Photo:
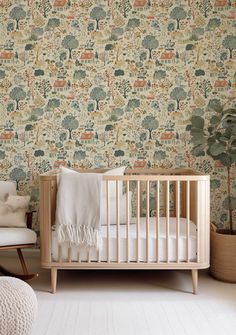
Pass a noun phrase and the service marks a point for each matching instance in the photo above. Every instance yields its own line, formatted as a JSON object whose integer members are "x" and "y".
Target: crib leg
{"x": 195, "y": 280}
{"x": 54, "y": 279}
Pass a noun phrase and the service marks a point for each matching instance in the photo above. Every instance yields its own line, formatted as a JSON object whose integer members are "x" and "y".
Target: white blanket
{"x": 78, "y": 209}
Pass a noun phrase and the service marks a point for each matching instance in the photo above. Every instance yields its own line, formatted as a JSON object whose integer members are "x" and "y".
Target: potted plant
{"x": 218, "y": 140}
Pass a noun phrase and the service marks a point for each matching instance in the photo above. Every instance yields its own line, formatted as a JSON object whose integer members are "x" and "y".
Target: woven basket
{"x": 223, "y": 256}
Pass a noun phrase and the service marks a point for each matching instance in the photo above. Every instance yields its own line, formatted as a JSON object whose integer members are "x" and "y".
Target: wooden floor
{"x": 132, "y": 303}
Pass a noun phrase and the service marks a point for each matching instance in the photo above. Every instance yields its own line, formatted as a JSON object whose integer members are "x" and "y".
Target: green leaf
{"x": 231, "y": 111}
{"x": 197, "y": 140}
{"x": 217, "y": 149}
{"x": 211, "y": 140}
{"x": 223, "y": 139}
{"x": 233, "y": 143}
{"x": 226, "y": 203}
{"x": 197, "y": 122}
{"x": 196, "y": 132}
{"x": 233, "y": 158}
{"x": 215, "y": 120}
{"x": 198, "y": 150}
{"x": 224, "y": 158}
{"x": 227, "y": 133}
{"x": 210, "y": 130}
{"x": 218, "y": 135}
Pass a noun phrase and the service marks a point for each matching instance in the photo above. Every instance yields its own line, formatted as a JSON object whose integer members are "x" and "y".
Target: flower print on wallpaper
{"x": 104, "y": 83}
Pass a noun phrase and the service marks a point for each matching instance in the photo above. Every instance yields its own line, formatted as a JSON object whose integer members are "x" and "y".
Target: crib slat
{"x": 187, "y": 218}
{"x": 167, "y": 218}
{"x": 147, "y": 220}
{"x": 127, "y": 220}
{"x": 117, "y": 222}
{"x": 198, "y": 221}
{"x": 78, "y": 255}
{"x": 138, "y": 219}
{"x": 177, "y": 218}
{"x": 69, "y": 254}
{"x": 108, "y": 222}
{"x": 157, "y": 219}
{"x": 140, "y": 199}
{"x": 60, "y": 253}
{"x": 88, "y": 256}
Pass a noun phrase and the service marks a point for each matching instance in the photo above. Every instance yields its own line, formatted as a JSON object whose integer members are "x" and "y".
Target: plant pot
{"x": 223, "y": 256}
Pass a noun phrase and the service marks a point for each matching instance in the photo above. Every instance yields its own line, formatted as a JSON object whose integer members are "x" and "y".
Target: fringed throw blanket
{"x": 78, "y": 209}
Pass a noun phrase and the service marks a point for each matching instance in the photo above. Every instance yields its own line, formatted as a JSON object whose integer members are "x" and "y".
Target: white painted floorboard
{"x": 132, "y": 303}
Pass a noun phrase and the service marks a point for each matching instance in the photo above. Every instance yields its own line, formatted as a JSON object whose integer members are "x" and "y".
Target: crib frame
{"x": 192, "y": 203}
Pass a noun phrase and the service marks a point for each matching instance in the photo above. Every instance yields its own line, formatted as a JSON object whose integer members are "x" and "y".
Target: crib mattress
{"x": 133, "y": 243}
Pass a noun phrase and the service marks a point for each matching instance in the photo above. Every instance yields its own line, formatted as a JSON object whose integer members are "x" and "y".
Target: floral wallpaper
{"x": 104, "y": 83}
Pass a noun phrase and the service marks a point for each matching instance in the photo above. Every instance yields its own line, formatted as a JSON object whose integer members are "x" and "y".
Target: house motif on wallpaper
{"x": 60, "y": 5}
{"x": 219, "y": 166}
{"x": 87, "y": 137}
{"x": 6, "y": 138}
{"x": 59, "y": 163}
{"x": 221, "y": 4}
{"x": 232, "y": 13}
{"x": 60, "y": 85}
{"x": 140, "y": 164}
{"x": 87, "y": 56}
{"x": 168, "y": 137}
{"x": 7, "y": 57}
{"x": 221, "y": 85}
{"x": 168, "y": 57}
{"x": 140, "y": 4}
{"x": 140, "y": 85}
{"x": 213, "y": 69}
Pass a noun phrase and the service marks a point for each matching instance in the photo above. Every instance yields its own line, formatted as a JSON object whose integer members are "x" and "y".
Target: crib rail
{"x": 180, "y": 200}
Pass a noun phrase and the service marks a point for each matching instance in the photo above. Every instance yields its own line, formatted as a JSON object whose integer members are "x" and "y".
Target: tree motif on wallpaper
{"x": 178, "y": 14}
{"x": 178, "y": 94}
{"x": 70, "y": 123}
{"x": 97, "y": 94}
{"x": 18, "y": 175}
{"x": 205, "y": 7}
{"x": 229, "y": 42}
{"x": 17, "y": 94}
{"x": 17, "y": 14}
{"x": 124, "y": 7}
{"x": 150, "y": 123}
{"x": 97, "y": 14}
{"x": 44, "y": 7}
{"x": 150, "y": 42}
{"x": 70, "y": 42}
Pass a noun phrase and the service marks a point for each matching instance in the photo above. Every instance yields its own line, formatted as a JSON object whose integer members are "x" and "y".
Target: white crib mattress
{"x": 133, "y": 243}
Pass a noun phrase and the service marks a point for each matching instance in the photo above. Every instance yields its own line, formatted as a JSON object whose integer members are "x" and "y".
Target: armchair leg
{"x": 22, "y": 261}
{"x": 25, "y": 275}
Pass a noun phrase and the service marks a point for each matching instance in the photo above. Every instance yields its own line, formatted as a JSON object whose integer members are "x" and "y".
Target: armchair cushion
{"x": 7, "y": 187}
{"x": 13, "y": 207}
{"x": 16, "y": 236}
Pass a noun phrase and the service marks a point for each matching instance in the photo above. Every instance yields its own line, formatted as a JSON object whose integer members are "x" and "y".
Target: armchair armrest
{"x": 29, "y": 219}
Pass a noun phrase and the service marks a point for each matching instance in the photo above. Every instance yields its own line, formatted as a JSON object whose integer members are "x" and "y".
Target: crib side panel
{"x": 192, "y": 202}
{"x": 48, "y": 190}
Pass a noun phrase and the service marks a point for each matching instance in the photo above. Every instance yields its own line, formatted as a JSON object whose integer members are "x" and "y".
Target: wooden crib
{"x": 167, "y": 224}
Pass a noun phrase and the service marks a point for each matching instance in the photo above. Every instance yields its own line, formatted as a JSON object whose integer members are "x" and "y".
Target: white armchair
{"x": 14, "y": 237}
